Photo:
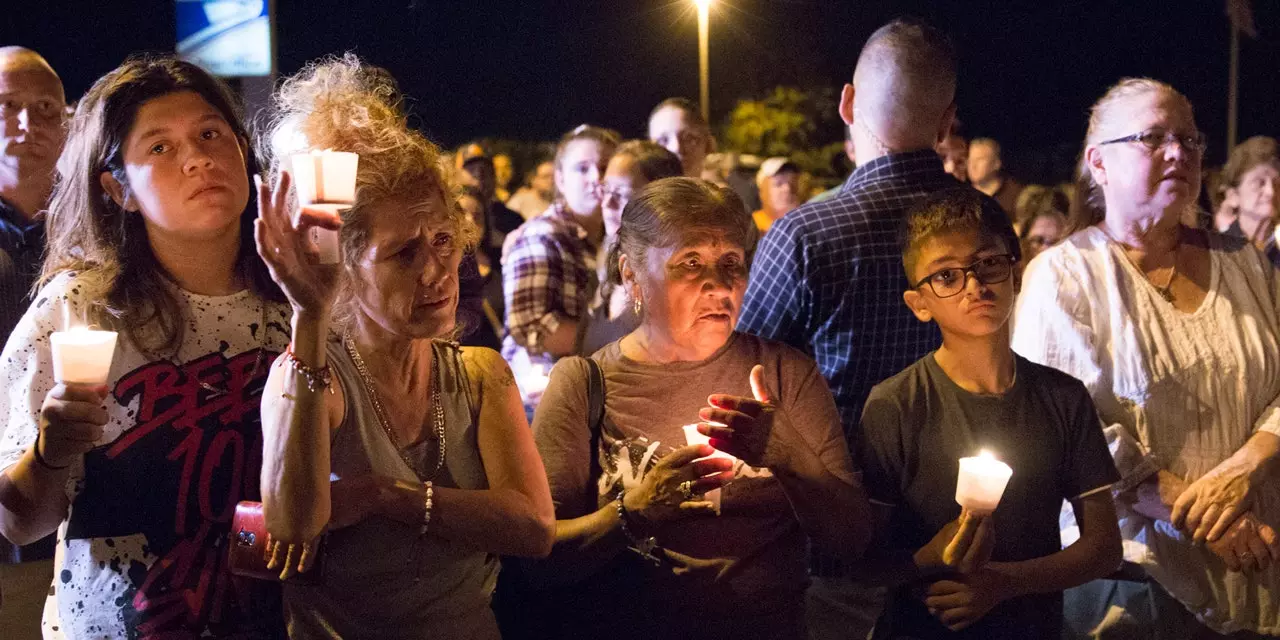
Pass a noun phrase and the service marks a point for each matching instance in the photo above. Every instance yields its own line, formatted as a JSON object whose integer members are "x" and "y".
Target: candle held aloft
{"x": 981, "y": 482}
{"x": 82, "y": 355}
{"x": 326, "y": 180}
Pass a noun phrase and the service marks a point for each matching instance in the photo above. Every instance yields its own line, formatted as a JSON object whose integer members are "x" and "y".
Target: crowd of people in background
{"x": 652, "y": 390}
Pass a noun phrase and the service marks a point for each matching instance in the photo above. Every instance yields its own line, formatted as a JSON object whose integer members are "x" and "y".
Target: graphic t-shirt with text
{"x": 142, "y": 549}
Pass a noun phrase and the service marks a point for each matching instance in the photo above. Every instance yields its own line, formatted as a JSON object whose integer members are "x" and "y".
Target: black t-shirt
{"x": 916, "y": 427}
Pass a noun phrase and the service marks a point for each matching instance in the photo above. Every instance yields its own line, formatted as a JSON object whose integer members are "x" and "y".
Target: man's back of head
{"x": 905, "y": 84}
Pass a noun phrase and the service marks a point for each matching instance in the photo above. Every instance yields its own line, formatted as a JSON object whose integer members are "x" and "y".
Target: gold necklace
{"x": 437, "y": 416}
{"x": 1166, "y": 291}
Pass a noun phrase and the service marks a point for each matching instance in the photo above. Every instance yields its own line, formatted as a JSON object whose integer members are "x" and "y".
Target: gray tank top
{"x": 380, "y": 579}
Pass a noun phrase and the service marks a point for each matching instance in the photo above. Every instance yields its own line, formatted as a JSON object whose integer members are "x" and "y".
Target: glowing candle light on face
{"x": 326, "y": 180}
{"x": 981, "y": 482}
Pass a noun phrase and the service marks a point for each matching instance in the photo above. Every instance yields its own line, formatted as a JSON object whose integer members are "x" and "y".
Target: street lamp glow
{"x": 704, "y": 83}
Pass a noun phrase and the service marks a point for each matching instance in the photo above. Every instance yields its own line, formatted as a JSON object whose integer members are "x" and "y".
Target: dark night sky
{"x": 530, "y": 70}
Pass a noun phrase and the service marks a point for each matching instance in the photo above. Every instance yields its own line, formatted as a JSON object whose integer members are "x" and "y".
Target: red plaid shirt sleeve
{"x": 545, "y": 278}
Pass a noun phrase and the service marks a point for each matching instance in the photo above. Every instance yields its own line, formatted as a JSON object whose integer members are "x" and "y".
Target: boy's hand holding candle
{"x": 963, "y": 546}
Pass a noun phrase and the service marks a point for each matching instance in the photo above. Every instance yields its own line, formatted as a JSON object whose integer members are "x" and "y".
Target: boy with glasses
{"x": 975, "y": 393}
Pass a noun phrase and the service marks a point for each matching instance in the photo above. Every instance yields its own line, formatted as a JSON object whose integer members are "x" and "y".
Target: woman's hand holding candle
{"x": 659, "y": 497}
{"x": 750, "y": 428}
{"x": 325, "y": 180}
{"x": 71, "y": 421}
{"x": 284, "y": 247}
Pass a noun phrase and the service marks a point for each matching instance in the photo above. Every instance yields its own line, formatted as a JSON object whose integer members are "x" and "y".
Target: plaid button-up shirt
{"x": 548, "y": 274}
{"x": 828, "y": 279}
{"x": 21, "y": 252}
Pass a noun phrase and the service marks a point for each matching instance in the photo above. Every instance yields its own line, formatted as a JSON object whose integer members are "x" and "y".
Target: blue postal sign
{"x": 230, "y": 38}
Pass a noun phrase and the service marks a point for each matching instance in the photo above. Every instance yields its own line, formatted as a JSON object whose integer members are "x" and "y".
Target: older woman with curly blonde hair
{"x": 411, "y": 455}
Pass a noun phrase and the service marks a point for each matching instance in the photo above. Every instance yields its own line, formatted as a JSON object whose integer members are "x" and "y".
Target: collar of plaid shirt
{"x": 562, "y": 213}
{"x": 894, "y": 166}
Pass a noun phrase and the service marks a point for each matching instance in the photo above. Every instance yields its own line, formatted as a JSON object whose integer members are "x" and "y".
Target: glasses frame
{"x": 1196, "y": 144}
{"x": 972, "y": 268}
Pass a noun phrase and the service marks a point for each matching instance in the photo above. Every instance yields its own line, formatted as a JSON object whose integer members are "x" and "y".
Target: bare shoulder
{"x": 487, "y": 369}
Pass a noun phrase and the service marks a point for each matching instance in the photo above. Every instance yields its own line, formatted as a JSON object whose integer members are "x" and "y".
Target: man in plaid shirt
{"x": 828, "y": 277}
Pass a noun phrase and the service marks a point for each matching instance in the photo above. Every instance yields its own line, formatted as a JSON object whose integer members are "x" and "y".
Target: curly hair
{"x": 343, "y": 104}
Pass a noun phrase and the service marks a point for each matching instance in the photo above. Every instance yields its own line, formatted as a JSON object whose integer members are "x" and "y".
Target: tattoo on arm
{"x": 501, "y": 376}
{"x": 494, "y": 373}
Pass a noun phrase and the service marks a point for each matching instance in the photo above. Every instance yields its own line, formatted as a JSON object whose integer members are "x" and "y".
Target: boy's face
{"x": 976, "y": 309}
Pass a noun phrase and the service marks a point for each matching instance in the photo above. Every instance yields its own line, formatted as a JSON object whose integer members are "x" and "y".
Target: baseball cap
{"x": 775, "y": 165}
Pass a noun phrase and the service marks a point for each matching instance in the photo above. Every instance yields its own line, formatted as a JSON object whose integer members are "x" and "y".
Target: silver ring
{"x": 686, "y": 488}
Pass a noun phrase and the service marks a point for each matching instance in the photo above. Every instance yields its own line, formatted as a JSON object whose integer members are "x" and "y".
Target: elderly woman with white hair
{"x": 1176, "y": 333}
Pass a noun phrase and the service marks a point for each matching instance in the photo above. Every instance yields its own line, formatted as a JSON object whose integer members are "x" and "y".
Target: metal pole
{"x": 1233, "y": 89}
{"x": 704, "y": 73}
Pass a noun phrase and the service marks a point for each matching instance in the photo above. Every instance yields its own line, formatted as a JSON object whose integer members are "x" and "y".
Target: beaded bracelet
{"x": 318, "y": 379}
{"x": 426, "y": 507}
{"x": 643, "y": 546}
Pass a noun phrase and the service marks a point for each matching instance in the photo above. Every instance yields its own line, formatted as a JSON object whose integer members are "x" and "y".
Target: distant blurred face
{"x": 1257, "y": 196}
{"x": 955, "y": 157}
{"x": 1045, "y": 232}
{"x": 502, "y": 169}
{"x": 784, "y": 193}
{"x": 482, "y": 171}
{"x": 622, "y": 179}
{"x": 983, "y": 163}
{"x": 471, "y": 206}
{"x": 32, "y": 108}
{"x": 578, "y": 175}
{"x": 672, "y": 129}
{"x": 544, "y": 179}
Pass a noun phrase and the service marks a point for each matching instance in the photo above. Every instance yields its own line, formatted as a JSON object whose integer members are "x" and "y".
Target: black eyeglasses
{"x": 949, "y": 282}
{"x": 1156, "y": 139}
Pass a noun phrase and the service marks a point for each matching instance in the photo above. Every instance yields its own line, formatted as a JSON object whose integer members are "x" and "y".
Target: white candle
{"x": 82, "y": 355}
{"x": 692, "y": 436}
{"x": 981, "y": 482}
{"x": 326, "y": 180}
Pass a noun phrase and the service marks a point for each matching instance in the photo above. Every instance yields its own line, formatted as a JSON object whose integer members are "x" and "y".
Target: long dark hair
{"x": 104, "y": 245}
